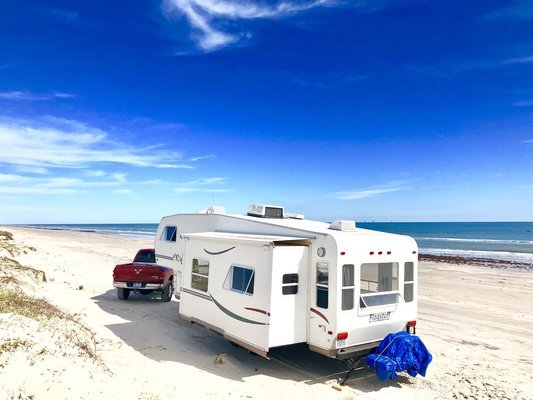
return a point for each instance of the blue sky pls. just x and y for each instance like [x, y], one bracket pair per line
[369, 110]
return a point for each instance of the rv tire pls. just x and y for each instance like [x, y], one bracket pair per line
[167, 293]
[123, 294]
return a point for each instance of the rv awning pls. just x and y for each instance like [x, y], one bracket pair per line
[248, 238]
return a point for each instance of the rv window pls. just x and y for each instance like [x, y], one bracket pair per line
[348, 286]
[379, 277]
[290, 284]
[200, 274]
[408, 282]
[169, 234]
[242, 279]
[322, 283]
[374, 300]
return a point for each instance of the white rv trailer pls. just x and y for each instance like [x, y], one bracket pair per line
[266, 279]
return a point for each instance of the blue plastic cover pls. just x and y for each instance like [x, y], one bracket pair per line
[399, 352]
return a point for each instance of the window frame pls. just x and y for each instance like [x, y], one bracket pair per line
[287, 287]
[200, 275]
[164, 234]
[324, 287]
[228, 283]
[346, 288]
[409, 282]
[377, 295]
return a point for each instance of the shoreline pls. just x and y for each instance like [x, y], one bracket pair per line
[485, 262]
[476, 262]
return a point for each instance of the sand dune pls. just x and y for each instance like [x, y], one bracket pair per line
[477, 322]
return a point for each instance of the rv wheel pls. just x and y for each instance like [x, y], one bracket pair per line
[167, 293]
[123, 294]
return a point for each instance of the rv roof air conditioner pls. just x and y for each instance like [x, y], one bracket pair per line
[264, 211]
[343, 225]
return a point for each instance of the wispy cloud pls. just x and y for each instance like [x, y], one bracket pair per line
[452, 69]
[208, 157]
[335, 80]
[210, 185]
[28, 96]
[527, 103]
[364, 193]
[50, 142]
[530, 141]
[516, 10]
[64, 15]
[209, 18]
[19, 184]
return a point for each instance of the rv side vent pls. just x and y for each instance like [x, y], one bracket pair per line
[264, 211]
[343, 225]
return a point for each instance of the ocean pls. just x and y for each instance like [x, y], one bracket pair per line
[505, 241]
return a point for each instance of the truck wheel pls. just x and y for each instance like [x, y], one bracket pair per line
[123, 294]
[167, 293]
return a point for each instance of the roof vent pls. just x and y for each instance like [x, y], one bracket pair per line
[294, 216]
[264, 211]
[213, 210]
[343, 225]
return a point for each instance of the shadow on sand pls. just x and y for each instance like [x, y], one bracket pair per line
[154, 329]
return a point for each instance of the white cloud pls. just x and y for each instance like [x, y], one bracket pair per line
[94, 173]
[11, 178]
[202, 185]
[517, 10]
[123, 191]
[35, 190]
[210, 18]
[528, 103]
[50, 142]
[203, 16]
[528, 141]
[358, 194]
[194, 159]
[28, 96]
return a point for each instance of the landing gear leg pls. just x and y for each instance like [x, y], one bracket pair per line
[352, 364]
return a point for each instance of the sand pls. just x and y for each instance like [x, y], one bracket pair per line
[477, 322]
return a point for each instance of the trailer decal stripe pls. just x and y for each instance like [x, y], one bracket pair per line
[203, 296]
[319, 314]
[233, 315]
[258, 310]
[220, 252]
[163, 256]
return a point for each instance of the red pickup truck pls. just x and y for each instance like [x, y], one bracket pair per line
[143, 275]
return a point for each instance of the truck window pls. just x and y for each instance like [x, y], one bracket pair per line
[169, 233]
[200, 274]
[322, 284]
[348, 286]
[146, 256]
[289, 284]
[408, 281]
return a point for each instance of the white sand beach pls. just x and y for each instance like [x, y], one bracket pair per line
[477, 323]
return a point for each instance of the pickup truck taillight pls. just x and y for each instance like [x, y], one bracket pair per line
[161, 274]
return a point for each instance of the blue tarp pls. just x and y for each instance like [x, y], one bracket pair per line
[399, 352]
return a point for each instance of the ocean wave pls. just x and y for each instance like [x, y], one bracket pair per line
[465, 240]
[496, 255]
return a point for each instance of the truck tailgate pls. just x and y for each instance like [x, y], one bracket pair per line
[137, 272]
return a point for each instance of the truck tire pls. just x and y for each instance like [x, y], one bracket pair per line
[167, 292]
[123, 294]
